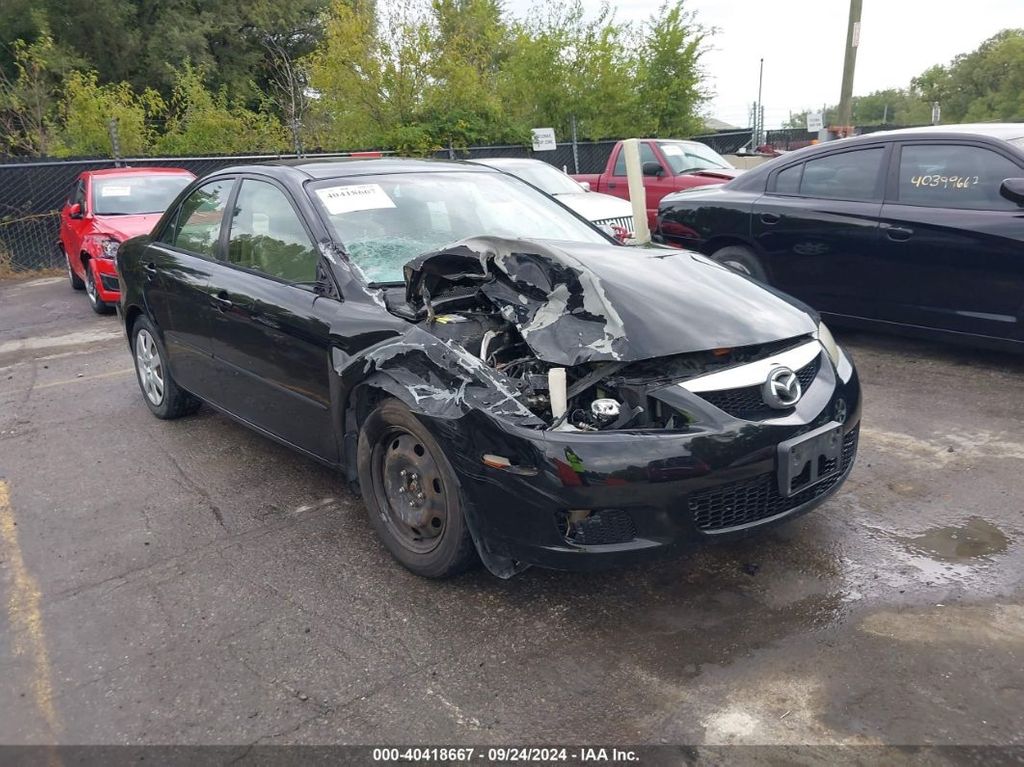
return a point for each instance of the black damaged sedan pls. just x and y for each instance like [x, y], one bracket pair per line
[500, 379]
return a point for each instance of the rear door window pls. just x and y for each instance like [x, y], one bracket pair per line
[196, 226]
[646, 155]
[788, 181]
[954, 176]
[843, 176]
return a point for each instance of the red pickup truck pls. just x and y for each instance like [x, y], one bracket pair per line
[668, 166]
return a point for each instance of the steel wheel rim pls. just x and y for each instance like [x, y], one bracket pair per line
[149, 366]
[90, 285]
[410, 490]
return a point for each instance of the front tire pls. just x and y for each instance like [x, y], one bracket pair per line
[74, 279]
[163, 397]
[412, 494]
[98, 305]
[741, 259]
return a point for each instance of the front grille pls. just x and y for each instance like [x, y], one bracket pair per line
[626, 222]
[603, 527]
[747, 403]
[110, 282]
[751, 500]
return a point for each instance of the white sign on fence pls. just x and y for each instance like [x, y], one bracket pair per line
[543, 139]
[814, 122]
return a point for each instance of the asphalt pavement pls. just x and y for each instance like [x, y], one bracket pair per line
[192, 582]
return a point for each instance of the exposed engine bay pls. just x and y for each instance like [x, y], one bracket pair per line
[554, 332]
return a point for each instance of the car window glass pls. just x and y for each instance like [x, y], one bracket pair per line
[78, 194]
[691, 156]
[385, 221]
[267, 234]
[788, 181]
[843, 176]
[646, 155]
[952, 176]
[197, 224]
[136, 194]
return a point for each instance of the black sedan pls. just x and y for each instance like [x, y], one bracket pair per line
[919, 229]
[500, 378]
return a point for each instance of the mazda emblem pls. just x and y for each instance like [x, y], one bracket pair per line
[782, 389]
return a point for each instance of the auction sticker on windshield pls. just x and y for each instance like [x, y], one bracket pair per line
[353, 197]
[115, 191]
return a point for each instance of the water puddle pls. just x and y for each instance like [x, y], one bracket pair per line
[976, 538]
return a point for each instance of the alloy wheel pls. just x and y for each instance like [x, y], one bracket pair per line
[150, 367]
[90, 285]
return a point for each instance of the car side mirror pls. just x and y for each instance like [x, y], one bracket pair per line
[652, 168]
[585, 185]
[75, 211]
[1013, 190]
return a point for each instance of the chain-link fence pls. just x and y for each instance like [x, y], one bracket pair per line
[32, 192]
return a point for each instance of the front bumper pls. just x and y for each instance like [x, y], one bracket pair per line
[647, 492]
[107, 286]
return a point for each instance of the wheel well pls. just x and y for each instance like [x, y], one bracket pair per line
[724, 241]
[129, 321]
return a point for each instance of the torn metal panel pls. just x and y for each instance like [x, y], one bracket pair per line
[575, 303]
[441, 379]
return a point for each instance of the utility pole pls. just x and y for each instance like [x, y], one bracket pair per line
[759, 139]
[849, 63]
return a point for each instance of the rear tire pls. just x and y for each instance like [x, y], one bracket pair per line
[412, 494]
[741, 259]
[74, 279]
[161, 394]
[98, 305]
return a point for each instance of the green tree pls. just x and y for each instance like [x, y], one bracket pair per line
[202, 121]
[88, 107]
[28, 98]
[670, 80]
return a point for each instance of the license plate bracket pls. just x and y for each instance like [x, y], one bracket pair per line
[811, 458]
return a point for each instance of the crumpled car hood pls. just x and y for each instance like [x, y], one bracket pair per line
[580, 302]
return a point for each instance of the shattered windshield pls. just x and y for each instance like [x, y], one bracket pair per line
[385, 221]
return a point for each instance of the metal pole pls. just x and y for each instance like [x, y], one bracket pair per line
[115, 141]
[760, 106]
[575, 147]
[849, 63]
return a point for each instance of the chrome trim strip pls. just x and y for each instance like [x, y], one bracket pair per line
[754, 373]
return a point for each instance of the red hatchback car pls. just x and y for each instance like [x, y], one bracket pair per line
[104, 208]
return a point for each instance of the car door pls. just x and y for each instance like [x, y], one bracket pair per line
[959, 242]
[269, 344]
[74, 228]
[817, 229]
[177, 266]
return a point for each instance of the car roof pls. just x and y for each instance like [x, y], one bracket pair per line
[319, 168]
[1005, 131]
[138, 171]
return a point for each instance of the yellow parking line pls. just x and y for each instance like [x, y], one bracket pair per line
[111, 374]
[24, 616]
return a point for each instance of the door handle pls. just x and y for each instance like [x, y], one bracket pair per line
[770, 218]
[898, 233]
[611, 184]
[150, 267]
[221, 301]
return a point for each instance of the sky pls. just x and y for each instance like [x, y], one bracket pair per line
[802, 44]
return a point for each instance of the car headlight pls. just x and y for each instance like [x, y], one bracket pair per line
[108, 248]
[829, 343]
